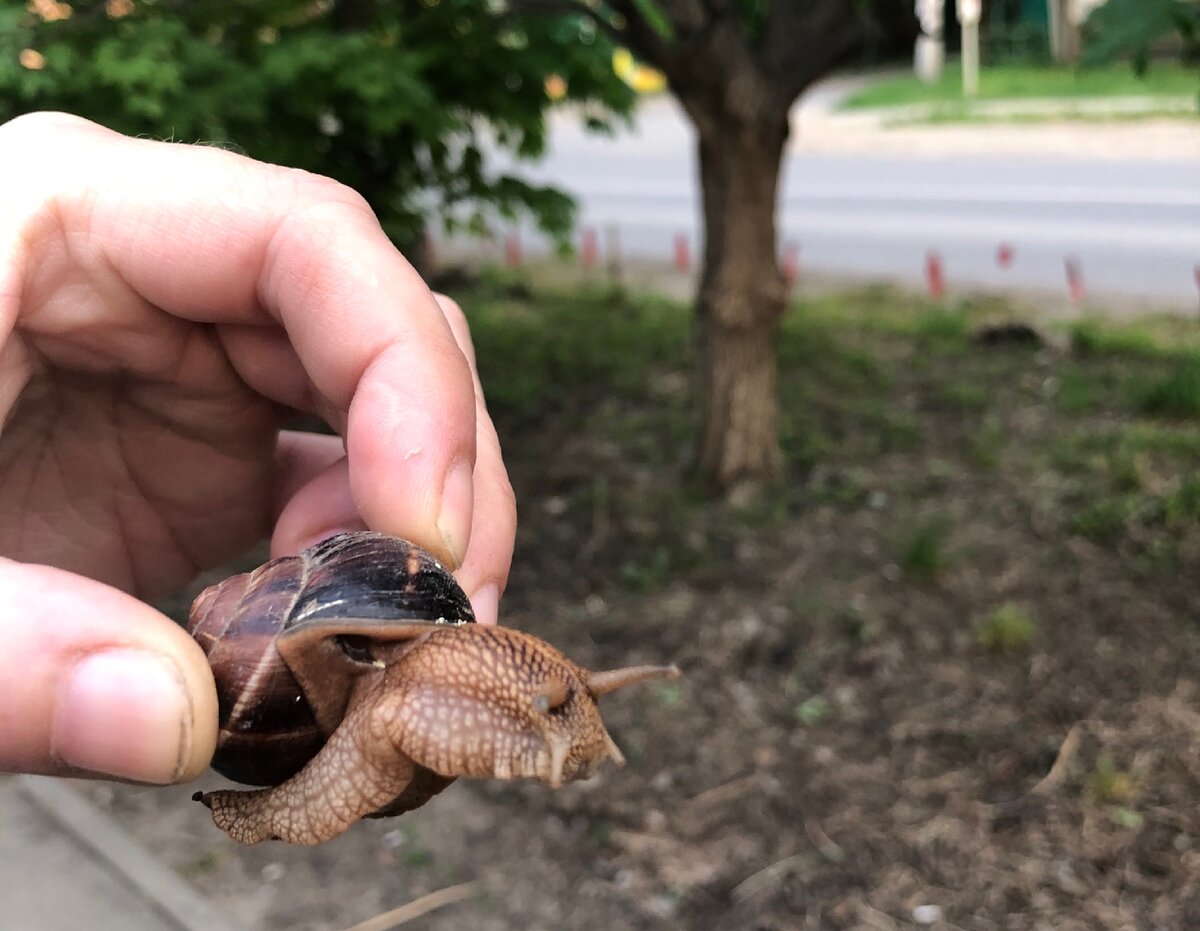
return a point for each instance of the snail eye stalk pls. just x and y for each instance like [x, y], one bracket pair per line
[552, 694]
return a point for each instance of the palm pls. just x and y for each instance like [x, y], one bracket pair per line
[134, 453]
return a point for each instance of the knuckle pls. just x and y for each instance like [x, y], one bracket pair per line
[45, 123]
[315, 189]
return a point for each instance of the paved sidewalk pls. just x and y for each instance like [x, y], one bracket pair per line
[65, 866]
[821, 128]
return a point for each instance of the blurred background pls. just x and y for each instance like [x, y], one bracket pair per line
[844, 353]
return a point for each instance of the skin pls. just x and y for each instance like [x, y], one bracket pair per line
[161, 307]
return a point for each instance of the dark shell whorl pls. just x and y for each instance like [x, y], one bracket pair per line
[267, 730]
[370, 575]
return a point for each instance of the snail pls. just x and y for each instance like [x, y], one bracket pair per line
[353, 682]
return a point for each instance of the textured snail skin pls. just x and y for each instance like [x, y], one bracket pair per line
[467, 701]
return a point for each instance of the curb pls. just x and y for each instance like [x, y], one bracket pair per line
[179, 903]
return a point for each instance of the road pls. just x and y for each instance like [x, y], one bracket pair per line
[1132, 223]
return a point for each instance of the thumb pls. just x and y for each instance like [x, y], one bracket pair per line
[95, 682]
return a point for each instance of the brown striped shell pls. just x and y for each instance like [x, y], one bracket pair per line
[346, 590]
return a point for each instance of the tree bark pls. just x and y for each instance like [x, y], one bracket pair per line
[741, 299]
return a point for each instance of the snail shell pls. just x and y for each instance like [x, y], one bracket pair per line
[257, 627]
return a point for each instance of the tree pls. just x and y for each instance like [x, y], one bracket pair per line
[1128, 29]
[736, 66]
[392, 98]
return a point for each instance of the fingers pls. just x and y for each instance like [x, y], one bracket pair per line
[484, 572]
[93, 680]
[316, 499]
[249, 245]
[314, 492]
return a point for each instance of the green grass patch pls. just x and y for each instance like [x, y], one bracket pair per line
[1077, 392]
[1111, 785]
[987, 443]
[1104, 520]
[964, 396]
[1182, 506]
[813, 711]
[885, 397]
[534, 352]
[1007, 629]
[1176, 394]
[1026, 82]
[923, 554]
[1148, 336]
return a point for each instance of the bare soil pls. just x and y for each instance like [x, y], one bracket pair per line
[843, 751]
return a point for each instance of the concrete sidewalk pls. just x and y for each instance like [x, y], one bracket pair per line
[66, 865]
[820, 127]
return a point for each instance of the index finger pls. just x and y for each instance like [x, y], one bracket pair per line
[214, 237]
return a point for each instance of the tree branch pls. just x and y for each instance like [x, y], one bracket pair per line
[568, 7]
[802, 40]
[643, 39]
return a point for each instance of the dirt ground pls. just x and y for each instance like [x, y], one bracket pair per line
[844, 750]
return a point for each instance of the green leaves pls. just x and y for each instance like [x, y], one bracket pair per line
[1126, 29]
[393, 99]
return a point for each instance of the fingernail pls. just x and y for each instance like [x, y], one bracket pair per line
[124, 713]
[486, 604]
[454, 518]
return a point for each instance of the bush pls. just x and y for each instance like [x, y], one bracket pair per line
[1128, 30]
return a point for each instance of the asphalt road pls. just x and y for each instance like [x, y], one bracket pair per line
[1133, 225]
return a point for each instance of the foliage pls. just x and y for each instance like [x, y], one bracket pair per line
[1128, 29]
[398, 100]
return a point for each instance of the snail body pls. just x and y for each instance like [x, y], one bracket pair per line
[353, 682]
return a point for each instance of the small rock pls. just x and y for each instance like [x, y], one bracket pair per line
[273, 872]
[765, 756]
[660, 906]
[555, 506]
[927, 914]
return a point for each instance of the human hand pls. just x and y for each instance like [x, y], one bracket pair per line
[161, 306]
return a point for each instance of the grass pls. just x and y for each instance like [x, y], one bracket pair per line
[1107, 429]
[1026, 82]
[924, 553]
[1175, 394]
[1110, 785]
[1007, 629]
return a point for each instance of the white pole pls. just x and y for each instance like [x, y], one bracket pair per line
[968, 18]
[930, 51]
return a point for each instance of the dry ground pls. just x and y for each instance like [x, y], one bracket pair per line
[865, 736]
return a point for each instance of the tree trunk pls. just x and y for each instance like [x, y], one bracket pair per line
[741, 300]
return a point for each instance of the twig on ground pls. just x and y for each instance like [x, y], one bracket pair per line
[1058, 772]
[720, 793]
[416, 908]
[768, 876]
